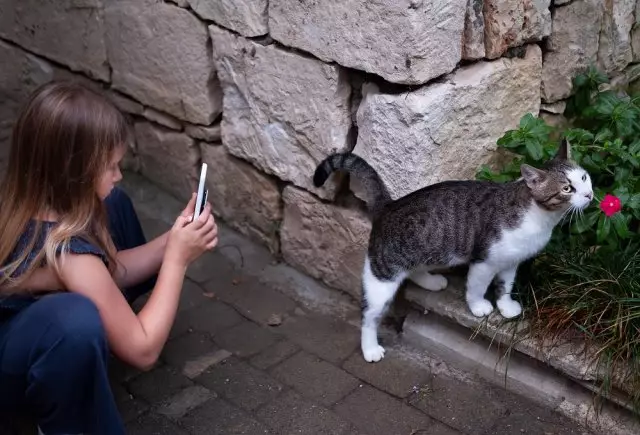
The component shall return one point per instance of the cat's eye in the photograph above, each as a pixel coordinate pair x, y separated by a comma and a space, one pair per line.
584, 177
567, 188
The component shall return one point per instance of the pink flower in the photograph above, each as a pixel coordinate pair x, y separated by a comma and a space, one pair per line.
610, 205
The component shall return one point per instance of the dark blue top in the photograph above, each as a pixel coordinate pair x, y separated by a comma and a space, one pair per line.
77, 245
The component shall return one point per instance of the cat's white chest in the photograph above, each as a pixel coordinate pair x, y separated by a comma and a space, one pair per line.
524, 241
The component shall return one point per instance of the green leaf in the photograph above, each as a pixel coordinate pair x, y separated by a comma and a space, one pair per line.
534, 149
586, 222
604, 228
620, 225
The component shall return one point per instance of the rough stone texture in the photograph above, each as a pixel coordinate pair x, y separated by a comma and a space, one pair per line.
512, 23
415, 42
614, 51
125, 103
162, 118
168, 158
247, 17
21, 73
446, 130
209, 134
473, 42
561, 2
635, 34
572, 46
159, 55
65, 31
244, 197
282, 111
323, 240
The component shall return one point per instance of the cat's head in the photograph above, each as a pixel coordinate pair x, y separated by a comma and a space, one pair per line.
561, 184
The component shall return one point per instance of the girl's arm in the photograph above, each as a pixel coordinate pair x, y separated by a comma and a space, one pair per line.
139, 339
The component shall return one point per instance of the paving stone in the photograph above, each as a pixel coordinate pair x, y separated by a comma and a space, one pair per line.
219, 417
393, 374
374, 412
212, 266
120, 371
274, 354
157, 385
129, 407
455, 403
211, 318
184, 401
154, 424
245, 339
522, 416
315, 379
193, 296
196, 367
257, 301
290, 414
187, 347
331, 339
241, 384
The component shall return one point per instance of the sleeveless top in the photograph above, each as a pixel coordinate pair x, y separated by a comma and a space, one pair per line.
77, 245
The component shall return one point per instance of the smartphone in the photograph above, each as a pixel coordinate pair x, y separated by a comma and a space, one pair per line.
203, 193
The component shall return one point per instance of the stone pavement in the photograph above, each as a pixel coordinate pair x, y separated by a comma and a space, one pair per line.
258, 348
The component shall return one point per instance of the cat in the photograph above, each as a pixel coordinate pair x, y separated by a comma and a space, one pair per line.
491, 227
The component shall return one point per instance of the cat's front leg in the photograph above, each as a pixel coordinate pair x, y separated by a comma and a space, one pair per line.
506, 305
478, 280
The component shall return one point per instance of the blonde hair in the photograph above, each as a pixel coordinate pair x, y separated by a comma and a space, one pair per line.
62, 142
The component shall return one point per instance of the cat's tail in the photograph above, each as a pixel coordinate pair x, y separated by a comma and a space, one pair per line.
371, 181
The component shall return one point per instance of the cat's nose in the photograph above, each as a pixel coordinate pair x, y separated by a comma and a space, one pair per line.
589, 195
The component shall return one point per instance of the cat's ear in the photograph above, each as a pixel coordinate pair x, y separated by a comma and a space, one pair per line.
564, 151
532, 176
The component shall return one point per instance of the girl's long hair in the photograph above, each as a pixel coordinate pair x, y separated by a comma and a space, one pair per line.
62, 142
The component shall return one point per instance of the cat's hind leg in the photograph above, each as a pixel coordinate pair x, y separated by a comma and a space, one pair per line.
377, 294
422, 277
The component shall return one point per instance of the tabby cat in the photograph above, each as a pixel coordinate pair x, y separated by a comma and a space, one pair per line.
492, 227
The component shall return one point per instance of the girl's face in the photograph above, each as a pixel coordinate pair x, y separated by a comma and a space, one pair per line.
111, 174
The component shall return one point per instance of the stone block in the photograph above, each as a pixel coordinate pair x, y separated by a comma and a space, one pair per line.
223, 417
635, 35
210, 134
246, 339
614, 50
512, 23
184, 401
69, 32
308, 374
473, 38
409, 41
168, 158
20, 75
446, 130
241, 384
162, 118
159, 54
274, 354
125, 103
248, 200
323, 240
247, 17
572, 46
282, 111
159, 384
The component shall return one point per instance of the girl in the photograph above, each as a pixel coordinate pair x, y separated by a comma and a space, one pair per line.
69, 242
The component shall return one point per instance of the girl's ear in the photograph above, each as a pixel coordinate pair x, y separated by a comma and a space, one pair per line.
564, 152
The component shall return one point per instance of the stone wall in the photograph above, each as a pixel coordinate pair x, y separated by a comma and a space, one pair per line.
262, 90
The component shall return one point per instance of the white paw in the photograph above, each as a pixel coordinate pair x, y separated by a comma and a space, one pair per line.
481, 308
434, 283
373, 353
509, 308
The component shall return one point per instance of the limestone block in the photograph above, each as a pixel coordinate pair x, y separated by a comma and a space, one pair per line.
446, 130
247, 17
210, 133
614, 52
159, 55
21, 73
512, 23
168, 158
70, 32
125, 103
473, 41
403, 41
324, 240
635, 34
162, 118
282, 111
244, 197
572, 46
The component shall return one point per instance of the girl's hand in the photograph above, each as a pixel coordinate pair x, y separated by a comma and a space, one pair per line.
190, 208
189, 240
